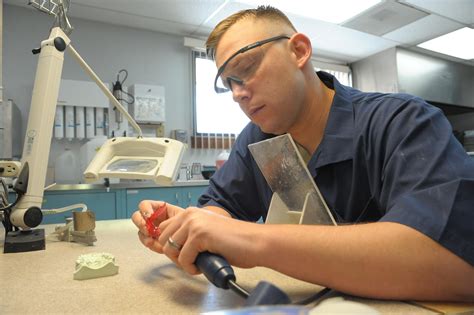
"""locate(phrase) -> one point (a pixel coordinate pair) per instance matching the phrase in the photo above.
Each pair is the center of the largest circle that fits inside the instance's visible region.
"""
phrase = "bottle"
(80, 122)
(222, 158)
(69, 122)
(59, 122)
(90, 123)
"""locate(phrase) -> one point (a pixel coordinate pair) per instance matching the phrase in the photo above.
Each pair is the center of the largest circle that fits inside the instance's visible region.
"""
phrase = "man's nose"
(240, 93)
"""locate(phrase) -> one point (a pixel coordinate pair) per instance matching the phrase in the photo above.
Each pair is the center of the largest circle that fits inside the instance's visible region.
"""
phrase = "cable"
(120, 84)
(64, 209)
(126, 75)
(238, 289)
(314, 297)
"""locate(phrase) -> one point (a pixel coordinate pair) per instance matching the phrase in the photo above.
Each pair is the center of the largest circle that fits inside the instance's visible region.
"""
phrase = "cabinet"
(181, 196)
(106, 205)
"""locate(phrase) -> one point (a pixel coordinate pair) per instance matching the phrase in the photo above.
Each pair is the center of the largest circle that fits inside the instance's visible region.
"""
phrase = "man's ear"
(301, 47)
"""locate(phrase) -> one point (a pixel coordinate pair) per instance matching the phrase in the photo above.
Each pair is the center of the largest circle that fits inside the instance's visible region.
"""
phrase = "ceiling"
(391, 23)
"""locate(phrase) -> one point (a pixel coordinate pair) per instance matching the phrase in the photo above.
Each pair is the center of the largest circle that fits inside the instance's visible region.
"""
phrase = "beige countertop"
(41, 282)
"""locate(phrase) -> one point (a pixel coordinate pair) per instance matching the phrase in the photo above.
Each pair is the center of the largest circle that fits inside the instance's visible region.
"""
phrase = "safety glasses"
(242, 65)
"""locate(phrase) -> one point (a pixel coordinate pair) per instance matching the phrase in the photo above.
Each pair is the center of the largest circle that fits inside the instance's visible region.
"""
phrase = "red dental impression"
(153, 230)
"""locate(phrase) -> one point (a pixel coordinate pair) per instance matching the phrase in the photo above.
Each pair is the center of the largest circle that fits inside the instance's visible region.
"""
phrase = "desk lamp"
(155, 159)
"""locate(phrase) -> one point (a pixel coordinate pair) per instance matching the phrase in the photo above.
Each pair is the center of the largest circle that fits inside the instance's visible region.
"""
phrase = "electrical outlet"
(9, 168)
(160, 130)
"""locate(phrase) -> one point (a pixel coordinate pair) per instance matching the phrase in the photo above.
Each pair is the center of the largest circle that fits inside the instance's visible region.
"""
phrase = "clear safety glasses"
(242, 65)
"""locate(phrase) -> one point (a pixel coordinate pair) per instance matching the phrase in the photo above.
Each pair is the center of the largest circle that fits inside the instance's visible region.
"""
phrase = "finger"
(150, 243)
(173, 210)
(169, 228)
(139, 222)
(174, 244)
(187, 257)
(137, 218)
(147, 207)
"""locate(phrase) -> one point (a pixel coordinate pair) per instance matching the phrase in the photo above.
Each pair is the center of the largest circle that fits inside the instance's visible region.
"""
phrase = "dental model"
(95, 265)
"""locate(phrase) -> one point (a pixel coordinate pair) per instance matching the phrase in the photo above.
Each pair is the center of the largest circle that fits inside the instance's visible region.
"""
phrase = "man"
(388, 159)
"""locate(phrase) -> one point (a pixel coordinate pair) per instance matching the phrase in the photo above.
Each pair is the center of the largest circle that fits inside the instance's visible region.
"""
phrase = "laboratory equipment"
(25, 213)
(137, 158)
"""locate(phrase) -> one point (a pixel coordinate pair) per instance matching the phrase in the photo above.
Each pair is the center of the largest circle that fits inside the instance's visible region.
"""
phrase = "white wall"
(150, 58)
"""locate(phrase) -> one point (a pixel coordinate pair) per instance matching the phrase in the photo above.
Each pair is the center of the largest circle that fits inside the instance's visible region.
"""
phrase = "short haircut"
(261, 12)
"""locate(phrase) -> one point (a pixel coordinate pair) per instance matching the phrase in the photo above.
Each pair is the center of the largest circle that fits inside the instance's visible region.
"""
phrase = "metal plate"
(286, 174)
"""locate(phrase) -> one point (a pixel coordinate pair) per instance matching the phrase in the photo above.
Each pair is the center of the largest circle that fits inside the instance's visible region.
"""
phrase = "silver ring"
(174, 244)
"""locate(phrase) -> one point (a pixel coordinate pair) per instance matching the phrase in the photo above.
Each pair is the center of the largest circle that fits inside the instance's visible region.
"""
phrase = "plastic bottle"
(66, 168)
(59, 122)
(69, 124)
(80, 122)
(90, 123)
(99, 121)
(222, 158)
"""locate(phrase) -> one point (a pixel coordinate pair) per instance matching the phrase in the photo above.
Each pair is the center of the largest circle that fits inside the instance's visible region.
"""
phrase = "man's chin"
(270, 129)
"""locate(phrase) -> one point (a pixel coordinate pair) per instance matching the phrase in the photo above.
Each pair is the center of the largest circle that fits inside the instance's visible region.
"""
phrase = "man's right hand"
(145, 209)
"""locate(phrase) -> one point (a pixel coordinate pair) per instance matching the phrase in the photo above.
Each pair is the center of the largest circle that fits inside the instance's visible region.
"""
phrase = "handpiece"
(220, 273)
(216, 269)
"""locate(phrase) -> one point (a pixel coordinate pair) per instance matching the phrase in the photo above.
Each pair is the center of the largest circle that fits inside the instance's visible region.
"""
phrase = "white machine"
(155, 159)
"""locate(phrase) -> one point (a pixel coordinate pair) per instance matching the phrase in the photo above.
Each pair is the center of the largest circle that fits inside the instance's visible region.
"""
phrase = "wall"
(443, 83)
(150, 58)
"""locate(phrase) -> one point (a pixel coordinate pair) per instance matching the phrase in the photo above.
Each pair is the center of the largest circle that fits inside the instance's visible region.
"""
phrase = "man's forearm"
(379, 260)
(217, 210)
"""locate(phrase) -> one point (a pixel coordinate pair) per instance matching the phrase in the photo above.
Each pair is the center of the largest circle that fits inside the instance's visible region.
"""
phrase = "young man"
(387, 159)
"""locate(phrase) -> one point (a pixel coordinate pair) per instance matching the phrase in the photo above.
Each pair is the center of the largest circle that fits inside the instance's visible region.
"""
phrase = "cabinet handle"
(177, 197)
(189, 196)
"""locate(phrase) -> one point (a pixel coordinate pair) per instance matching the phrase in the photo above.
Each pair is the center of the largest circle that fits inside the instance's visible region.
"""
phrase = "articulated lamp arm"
(27, 213)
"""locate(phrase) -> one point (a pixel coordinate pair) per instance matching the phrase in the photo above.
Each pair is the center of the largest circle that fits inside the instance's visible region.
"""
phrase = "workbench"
(42, 282)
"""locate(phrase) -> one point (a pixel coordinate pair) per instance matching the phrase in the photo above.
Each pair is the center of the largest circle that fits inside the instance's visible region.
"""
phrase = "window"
(216, 115)
(341, 72)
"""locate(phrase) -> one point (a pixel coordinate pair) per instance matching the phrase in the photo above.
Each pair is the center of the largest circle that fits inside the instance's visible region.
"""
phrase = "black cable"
(245, 294)
(238, 289)
(126, 75)
(130, 96)
(314, 297)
